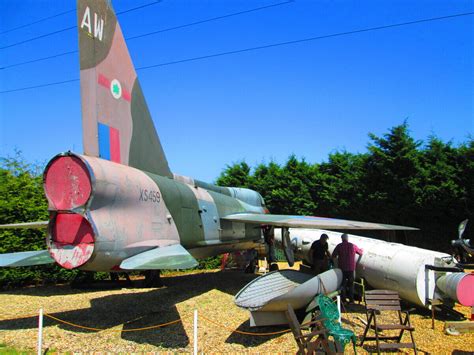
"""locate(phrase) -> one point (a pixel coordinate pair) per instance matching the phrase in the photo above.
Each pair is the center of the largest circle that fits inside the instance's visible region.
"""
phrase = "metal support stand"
(433, 304)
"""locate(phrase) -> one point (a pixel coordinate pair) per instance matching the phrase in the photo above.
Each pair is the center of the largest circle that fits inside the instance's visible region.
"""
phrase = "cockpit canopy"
(248, 196)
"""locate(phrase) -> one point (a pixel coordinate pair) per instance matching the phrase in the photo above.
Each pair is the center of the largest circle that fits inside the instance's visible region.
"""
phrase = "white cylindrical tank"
(459, 286)
(383, 264)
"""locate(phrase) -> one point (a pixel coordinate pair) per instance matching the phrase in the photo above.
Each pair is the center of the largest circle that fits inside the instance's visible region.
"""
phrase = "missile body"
(397, 267)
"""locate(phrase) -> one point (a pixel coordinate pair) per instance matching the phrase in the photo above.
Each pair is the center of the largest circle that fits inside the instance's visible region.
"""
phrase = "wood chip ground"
(212, 293)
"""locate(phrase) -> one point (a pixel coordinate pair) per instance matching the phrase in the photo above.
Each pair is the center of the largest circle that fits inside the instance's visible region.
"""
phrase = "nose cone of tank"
(465, 290)
(459, 286)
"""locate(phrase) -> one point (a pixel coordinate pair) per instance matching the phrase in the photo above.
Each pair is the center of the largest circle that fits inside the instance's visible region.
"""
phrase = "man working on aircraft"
(269, 237)
(345, 253)
(320, 254)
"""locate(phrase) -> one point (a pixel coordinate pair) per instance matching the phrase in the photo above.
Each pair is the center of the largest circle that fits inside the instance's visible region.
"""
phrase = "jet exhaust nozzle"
(102, 212)
(67, 183)
(68, 188)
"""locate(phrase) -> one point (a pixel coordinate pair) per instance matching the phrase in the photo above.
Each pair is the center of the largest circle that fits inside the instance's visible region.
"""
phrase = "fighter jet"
(118, 207)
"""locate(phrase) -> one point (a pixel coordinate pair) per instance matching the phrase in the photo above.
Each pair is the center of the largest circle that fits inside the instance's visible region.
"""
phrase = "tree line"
(399, 180)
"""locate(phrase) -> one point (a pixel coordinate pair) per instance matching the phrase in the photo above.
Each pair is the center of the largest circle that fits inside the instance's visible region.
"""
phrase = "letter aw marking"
(98, 24)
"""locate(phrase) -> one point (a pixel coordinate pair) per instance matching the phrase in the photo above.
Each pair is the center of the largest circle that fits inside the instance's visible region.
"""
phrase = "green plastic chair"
(330, 317)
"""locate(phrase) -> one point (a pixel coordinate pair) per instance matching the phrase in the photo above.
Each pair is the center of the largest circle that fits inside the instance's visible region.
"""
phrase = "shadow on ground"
(248, 340)
(138, 310)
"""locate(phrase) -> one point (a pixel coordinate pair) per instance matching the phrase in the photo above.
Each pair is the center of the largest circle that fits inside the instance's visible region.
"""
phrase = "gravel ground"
(119, 310)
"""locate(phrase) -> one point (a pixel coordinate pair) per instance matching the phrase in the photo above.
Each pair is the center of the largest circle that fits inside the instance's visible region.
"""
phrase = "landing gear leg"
(153, 278)
(251, 261)
(83, 279)
(251, 267)
(129, 281)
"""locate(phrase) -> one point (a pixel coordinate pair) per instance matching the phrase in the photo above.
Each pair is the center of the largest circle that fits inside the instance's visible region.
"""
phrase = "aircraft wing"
(27, 225)
(169, 257)
(26, 258)
(309, 222)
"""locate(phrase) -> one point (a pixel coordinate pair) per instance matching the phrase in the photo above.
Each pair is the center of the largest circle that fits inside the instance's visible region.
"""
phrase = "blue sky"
(307, 99)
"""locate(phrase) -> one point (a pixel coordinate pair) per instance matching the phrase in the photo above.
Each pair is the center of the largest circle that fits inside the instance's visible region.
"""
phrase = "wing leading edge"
(26, 258)
(310, 222)
(26, 225)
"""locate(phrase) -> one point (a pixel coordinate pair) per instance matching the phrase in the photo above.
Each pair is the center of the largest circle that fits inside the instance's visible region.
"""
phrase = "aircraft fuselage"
(103, 213)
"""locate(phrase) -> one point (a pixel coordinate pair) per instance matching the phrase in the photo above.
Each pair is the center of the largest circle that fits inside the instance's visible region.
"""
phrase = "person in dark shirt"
(320, 254)
(269, 237)
(345, 253)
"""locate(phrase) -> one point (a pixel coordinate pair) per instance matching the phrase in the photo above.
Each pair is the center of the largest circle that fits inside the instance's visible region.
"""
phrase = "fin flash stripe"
(109, 143)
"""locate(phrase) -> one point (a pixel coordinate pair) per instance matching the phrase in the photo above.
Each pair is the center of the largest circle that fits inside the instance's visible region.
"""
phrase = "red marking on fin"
(126, 95)
(102, 80)
(114, 145)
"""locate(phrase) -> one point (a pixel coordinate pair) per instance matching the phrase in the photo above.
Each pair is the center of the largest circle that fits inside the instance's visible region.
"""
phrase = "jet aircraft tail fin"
(117, 124)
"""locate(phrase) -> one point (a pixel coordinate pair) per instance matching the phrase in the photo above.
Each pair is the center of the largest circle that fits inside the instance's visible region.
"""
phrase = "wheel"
(274, 267)
(251, 267)
(152, 278)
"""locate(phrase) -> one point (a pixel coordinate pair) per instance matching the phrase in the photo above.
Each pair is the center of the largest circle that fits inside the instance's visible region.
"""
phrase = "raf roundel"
(116, 89)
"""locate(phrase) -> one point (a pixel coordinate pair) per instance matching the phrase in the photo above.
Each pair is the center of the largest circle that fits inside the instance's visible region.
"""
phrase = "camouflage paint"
(120, 200)
(209, 214)
(124, 211)
(119, 204)
(111, 93)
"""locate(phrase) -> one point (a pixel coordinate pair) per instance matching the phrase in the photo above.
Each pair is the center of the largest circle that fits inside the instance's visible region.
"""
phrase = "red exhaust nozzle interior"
(72, 240)
(67, 183)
